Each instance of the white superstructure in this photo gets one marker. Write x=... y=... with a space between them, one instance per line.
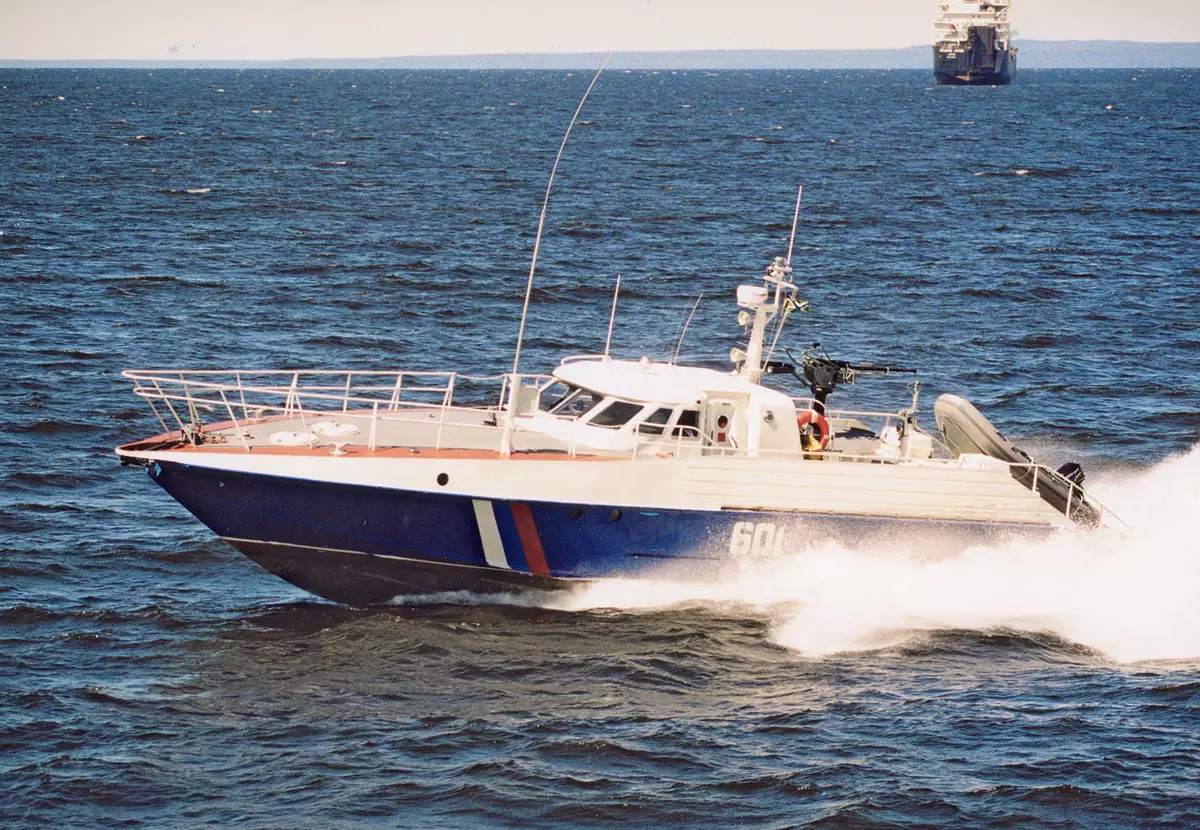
x=955 y=19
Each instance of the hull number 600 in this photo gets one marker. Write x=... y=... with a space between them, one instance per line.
x=755 y=539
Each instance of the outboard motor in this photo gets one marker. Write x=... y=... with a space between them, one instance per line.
x=1072 y=472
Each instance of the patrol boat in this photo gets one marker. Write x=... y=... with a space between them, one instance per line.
x=362 y=486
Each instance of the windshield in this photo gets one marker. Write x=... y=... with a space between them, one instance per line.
x=615 y=415
x=654 y=423
x=556 y=393
x=574 y=402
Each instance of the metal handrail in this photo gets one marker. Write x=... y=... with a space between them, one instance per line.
x=237 y=392
x=196 y=389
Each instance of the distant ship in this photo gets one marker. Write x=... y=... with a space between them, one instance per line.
x=971 y=43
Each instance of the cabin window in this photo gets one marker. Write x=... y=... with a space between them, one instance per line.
x=556 y=393
x=615 y=415
x=655 y=422
x=688 y=425
x=575 y=402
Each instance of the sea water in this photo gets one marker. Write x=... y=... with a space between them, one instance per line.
x=1033 y=248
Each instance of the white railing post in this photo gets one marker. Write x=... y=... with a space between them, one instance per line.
x=161 y=422
x=167 y=401
x=237 y=376
x=396 y=391
x=191 y=405
x=374 y=420
x=437 y=441
x=510 y=414
x=241 y=435
x=291 y=395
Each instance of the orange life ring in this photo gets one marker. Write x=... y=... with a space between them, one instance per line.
x=809 y=416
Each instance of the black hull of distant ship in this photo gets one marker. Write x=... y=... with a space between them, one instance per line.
x=982 y=63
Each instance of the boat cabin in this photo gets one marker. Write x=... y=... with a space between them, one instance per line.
x=598 y=404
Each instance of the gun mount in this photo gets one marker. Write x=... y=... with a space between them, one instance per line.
x=822 y=374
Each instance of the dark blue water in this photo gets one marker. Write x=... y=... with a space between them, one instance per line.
x=1032 y=247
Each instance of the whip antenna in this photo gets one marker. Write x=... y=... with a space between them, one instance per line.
x=795 y=219
x=537 y=242
x=683 y=334
x=613 y=316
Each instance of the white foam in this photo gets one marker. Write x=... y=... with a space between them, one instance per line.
x=1131 y=596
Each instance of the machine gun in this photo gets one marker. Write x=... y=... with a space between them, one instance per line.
x=822 y=374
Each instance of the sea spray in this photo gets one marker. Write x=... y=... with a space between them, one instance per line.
x=1129 y=595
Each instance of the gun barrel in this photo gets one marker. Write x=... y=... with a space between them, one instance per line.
x=872 y=369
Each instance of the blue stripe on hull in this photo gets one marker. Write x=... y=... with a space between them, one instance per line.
x=322 y=537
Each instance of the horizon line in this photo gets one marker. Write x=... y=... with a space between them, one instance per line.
x=70 y=62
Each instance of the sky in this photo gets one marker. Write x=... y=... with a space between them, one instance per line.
x=203 y=30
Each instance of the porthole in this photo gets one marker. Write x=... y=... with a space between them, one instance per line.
x=615 y=515
x=443 y=479
x=575 y=513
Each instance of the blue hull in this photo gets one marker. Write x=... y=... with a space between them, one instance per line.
x=365 y=545
x=982 y=65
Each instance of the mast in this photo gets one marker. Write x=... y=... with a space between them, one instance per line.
x=765 y=307
x=755 y=298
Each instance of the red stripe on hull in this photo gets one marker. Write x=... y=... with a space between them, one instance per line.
x=535 y=557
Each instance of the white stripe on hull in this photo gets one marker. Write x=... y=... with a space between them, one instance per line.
x=489 y=534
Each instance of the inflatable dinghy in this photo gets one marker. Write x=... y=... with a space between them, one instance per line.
x=965 y=430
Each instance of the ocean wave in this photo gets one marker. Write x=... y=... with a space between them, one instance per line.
x=1126 y=595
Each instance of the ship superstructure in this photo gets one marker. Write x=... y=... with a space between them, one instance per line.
x=972 y=43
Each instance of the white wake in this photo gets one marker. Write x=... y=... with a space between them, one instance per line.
x=1132 y=596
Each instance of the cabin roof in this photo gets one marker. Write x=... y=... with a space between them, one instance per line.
x=647 y=382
